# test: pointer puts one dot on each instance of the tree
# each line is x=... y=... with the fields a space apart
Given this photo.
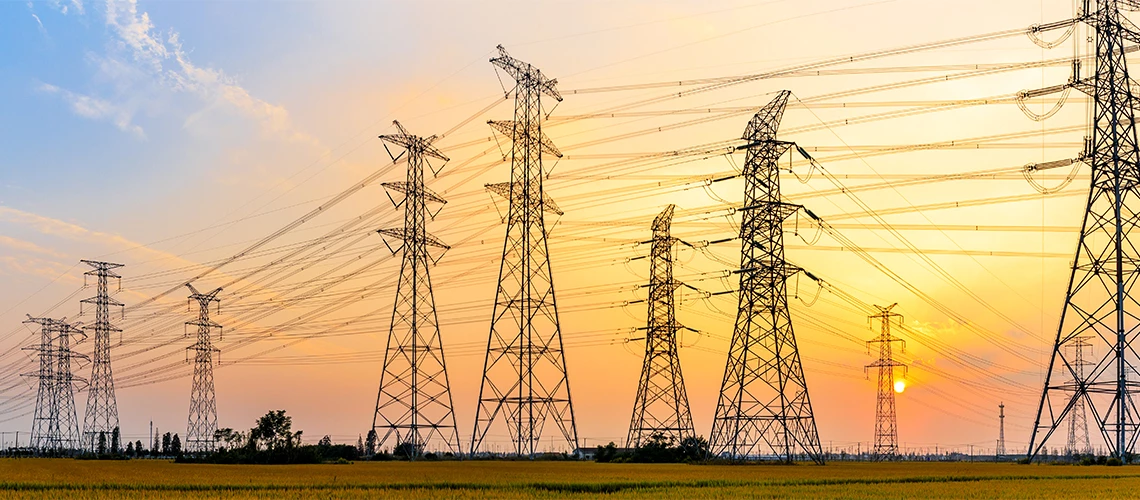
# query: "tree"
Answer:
x=359 y=445
x=694 y=449
x=138 y=448
x=275 y=430
x=232 y=439
x=606 y=453
x=115 y=440
x=155 y=449
x=130 y=449
x=166 y=444
x=325 y=441
x=176 y=446
x=102 y=449
x=370 y=443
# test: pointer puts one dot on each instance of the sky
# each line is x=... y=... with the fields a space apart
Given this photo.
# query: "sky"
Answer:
x=169 y=135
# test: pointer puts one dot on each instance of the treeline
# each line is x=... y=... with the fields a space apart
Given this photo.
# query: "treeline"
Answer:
x=657 y=449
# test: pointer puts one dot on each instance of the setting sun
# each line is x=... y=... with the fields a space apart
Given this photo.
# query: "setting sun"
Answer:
x=900 y=385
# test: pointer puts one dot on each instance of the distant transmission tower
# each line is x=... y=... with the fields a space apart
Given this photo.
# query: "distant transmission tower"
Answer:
x=524 y=372
x=1001 y=431
x=55 y=426
x=661 y=406
x=102 y=415
x=764 y=408
x=1078 y=423
x=886 y=426
x=414 y=404
x=1099 y=302
x=203 y=418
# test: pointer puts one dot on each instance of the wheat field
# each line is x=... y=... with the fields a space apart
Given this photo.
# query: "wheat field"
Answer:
x=63 y=478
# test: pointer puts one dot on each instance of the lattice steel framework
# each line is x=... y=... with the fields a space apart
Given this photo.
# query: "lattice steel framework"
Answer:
x=1099 y=303
x=524 y=372
x=661 y=406
x=886 y=426
x=1001 y=431
x=203 y=417
x=55 y=426
x=764 y=410
x=413 y=407
x=1078 y=441
x=102 y=415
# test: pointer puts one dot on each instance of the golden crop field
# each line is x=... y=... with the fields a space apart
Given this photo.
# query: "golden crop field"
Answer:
x=64 y=478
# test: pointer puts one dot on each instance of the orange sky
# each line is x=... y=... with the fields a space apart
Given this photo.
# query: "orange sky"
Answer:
x=282 y=137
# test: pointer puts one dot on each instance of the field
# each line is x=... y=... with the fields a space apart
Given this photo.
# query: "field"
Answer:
x=62 y=478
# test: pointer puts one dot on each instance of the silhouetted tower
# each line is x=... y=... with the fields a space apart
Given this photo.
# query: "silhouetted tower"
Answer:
x=102 y=415
x=55 y=426
x=1001 y=430
x=413 y=406
x=1078 y=423
x=1099 y=303
x=203 y=418
x=524 y=372
x=661 y=406
x=764 y=408
x=886 y=426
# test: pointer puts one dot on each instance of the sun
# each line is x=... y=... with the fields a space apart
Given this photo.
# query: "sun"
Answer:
x=900 y=385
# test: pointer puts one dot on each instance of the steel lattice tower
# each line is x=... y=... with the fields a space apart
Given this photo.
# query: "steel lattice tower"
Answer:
x=1001 y=431
x=414 y=403
x=102 y=415
x=661 y=406
x=203 y=418
x=886 y=426
x=764 y=408
x=1099 y=303
x=524 y=372
x=1078 y=417
x=55 y=426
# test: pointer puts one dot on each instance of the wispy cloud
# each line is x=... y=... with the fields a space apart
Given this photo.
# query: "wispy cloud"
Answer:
x=96 y=109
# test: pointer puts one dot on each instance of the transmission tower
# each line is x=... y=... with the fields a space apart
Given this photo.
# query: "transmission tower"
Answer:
x=413 y=406
x=661 y=406
x=1099 y=303
x=55 y=426
x=886 y=426
x=524 y=372
x=764 y=408
x=1078 y=423
x=203 y=417
x=1001 y=431
x=102 y=415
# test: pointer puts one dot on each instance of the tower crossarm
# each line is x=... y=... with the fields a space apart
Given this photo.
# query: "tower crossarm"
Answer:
x=517 y=132
x=523 y=72
x=404 y=187
x=504 y=189
x=410 y=236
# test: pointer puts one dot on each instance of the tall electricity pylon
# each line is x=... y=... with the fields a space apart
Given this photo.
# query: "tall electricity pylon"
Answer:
x=661 y=406
x=203 y=418
x=764 y=409
x=1001 y=432
x=524 y=372
x=55 y=426
x=886 y=426
x=102 y=415
x=1099 y=302
x=1078 y=422
x=413 y=406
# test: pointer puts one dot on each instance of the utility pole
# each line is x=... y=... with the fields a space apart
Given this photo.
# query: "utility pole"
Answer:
x=1099 y=304
x=886 y=426
x=102 y=415
x=203 y=418
x=1078 y=424
x=55 y=426
x=661 y=406
x=1001 y=431
x=524 y=372
x=764 y=406
x=414 y=404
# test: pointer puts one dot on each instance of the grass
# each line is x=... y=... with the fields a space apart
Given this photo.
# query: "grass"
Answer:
x=62 y=478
